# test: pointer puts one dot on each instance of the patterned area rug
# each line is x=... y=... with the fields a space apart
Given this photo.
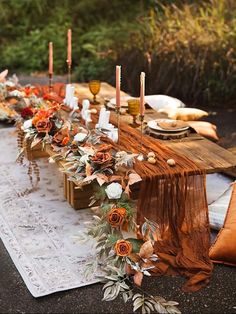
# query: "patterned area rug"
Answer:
x=39 y=230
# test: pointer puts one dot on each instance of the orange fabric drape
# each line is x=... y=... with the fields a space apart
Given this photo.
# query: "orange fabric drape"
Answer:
x=175 y=198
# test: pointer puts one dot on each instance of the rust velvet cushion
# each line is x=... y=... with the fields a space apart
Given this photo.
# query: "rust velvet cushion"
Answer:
x=224 y=249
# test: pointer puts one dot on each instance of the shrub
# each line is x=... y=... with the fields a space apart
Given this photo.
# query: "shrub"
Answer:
x=187 y=51
x=186 y=48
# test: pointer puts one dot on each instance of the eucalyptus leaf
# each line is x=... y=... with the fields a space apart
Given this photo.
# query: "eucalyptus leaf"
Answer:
x=137 y=304
x=108 y=284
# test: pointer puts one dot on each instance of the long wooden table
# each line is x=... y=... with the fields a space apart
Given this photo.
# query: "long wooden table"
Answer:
x=205 y=153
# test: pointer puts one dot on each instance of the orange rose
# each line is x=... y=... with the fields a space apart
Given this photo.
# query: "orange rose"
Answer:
x=101 y=158
x=123 y=248
x=61 y=137
x=43 y=126
x=42 y=114
x=35 y=120
x=116 y=216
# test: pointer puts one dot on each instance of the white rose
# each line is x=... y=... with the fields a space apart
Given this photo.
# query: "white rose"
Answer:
x=27 y=124
x=79 y=137
x=114 y=191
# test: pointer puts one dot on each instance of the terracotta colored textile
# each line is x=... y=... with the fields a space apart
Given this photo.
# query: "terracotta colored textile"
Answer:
x=224 y=249
x=175 y=198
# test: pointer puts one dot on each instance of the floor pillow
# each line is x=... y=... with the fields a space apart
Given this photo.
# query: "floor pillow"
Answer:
x=223 y=249
x=205 y=129
x=185 y=114
x=218 y=190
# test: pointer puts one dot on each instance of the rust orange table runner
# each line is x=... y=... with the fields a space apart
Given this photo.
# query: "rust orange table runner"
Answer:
x=175 y=198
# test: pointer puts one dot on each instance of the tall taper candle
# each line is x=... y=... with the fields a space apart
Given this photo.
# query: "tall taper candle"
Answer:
x=50 y=60
x=69 y=49
x=142 y=93
x=118 y=67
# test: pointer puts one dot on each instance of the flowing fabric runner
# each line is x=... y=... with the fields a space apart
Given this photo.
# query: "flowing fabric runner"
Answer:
x=39 y=230
x=175 y=198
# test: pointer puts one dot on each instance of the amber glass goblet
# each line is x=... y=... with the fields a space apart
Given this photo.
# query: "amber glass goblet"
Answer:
x=94 y=87
x=133 y=110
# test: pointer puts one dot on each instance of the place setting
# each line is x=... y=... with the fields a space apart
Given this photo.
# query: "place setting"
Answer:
x=167 y=129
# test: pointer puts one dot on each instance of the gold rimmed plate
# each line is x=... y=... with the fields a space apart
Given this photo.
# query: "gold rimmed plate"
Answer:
x=168 y=125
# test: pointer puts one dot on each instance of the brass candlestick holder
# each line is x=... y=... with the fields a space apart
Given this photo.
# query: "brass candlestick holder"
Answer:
x=118 y=124
x=69 y=72
x=140 y=156
x=50 y=86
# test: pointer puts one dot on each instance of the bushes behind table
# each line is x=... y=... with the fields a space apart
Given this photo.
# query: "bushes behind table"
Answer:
x=187 y=51
x=186 y=48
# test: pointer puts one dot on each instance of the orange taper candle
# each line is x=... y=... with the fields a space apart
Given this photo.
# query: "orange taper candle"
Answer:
x=50 y=59
x=69 y=49
x=142 y=93
x=118 y=67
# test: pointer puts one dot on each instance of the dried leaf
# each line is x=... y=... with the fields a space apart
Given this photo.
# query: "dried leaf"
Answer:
x=138 y=303
x=35 y=142
x=146 y=250
x=137 y=295
x=88 y=169
x=89 y=178
x=115 y=178
x=101 y=178
x=134 y=257
x=134 y=178
x=138 y=277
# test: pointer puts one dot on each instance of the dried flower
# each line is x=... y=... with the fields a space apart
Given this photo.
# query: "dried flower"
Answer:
x=27 y=90
x=80 y=137
x=116 y=216
x=123 y=248
x=61 y=138
x=43 y=126
x=114 y=191
x=42 y=114
x=27 y=113
x=101 y=158
x=27 y=124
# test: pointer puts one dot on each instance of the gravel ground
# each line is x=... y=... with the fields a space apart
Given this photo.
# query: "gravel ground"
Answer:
x=218 y=297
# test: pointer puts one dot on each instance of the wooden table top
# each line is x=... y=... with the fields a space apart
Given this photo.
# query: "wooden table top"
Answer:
x=205 y=153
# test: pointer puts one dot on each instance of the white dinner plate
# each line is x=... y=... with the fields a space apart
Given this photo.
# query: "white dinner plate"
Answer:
x=153 y=124
x=123 y=101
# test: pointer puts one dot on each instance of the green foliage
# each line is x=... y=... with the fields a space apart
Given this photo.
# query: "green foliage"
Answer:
x=187 y=48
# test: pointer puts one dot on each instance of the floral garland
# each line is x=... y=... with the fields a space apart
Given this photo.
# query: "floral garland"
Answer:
x=124 y=251
x=38 y=126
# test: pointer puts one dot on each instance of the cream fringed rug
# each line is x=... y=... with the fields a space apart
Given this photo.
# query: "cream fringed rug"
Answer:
x=39 y=230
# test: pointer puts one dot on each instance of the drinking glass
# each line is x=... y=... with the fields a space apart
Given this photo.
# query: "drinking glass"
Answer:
x=94 y=87
x=134 y=109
